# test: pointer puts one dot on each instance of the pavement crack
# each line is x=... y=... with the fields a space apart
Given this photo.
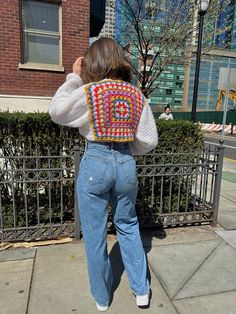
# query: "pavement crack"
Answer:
x=197 y=269
x=227 y=198
x=31 y=281
x=204 y=295
x=156 y=275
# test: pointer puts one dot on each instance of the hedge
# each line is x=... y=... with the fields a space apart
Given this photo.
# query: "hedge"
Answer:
x=33 y=133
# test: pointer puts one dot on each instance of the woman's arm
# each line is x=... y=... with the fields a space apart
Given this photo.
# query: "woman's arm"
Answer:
x=68 y=105
x=146 y=138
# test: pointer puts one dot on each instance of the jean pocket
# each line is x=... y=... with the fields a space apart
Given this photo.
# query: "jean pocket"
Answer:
x=129 y=170
x=93 y=170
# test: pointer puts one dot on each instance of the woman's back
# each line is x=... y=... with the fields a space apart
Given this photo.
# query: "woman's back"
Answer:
x=114 y=108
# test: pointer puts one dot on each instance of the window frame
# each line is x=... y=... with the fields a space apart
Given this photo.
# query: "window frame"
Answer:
x=35 y=65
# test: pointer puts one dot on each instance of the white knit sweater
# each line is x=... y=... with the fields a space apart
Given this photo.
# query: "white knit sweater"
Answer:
x=69 y=107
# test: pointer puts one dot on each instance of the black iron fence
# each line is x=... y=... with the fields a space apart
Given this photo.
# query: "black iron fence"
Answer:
x=180 y=188
x=37 y=198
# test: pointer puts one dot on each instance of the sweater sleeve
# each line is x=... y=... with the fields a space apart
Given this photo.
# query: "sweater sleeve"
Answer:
x=68 y=106
x=146 y=137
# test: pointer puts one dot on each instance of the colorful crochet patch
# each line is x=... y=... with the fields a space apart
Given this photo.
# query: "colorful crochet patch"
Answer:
x=114 y=109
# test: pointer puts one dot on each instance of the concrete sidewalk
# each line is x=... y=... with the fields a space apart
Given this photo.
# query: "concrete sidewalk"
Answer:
x=193 y=270
x=227 y=208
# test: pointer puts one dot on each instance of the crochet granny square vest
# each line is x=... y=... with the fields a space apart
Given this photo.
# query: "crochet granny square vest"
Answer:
x=114 y=108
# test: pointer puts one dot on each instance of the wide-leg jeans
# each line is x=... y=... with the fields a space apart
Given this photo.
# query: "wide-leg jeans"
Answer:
x=108 y=173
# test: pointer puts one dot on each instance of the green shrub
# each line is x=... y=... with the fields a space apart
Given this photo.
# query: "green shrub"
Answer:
x=34 y=133
x=179 y=135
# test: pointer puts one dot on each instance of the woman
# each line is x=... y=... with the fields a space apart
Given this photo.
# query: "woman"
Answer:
x=116 y=121
x=166 y=115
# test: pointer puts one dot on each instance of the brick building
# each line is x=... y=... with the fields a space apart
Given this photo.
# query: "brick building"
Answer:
x=39 y=42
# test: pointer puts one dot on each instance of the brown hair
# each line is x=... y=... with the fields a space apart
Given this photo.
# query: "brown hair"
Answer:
x=106 y=59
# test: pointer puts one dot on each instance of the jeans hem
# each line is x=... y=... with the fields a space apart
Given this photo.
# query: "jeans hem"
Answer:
x=139 y=294
x=101 y=304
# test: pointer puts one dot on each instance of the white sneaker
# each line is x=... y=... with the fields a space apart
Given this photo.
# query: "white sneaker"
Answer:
x=142 y=300
x=102 y=308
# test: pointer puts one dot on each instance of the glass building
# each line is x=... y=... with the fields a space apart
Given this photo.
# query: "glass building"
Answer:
x=208 y=81
x=170 y=82
x=176 y=84
x=233 y=43
x=210 y=65
x=225 y=20
x=170 y=91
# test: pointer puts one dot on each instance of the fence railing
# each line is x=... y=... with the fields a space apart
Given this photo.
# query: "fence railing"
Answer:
x=180 y=188
x=37 y=199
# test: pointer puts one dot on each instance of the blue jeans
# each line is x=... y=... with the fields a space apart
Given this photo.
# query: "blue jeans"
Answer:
x=108 y=173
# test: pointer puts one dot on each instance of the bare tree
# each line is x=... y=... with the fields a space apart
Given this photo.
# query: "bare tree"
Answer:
x=158 y=33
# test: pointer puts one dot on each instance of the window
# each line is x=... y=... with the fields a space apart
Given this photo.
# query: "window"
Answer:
x=179 y=84
x=168 y=91
x=41 y=32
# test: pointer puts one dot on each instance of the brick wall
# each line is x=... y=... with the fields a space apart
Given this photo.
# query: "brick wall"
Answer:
x=75 y=38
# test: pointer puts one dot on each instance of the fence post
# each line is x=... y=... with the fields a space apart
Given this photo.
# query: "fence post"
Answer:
x=76 y=210
x=216 y=197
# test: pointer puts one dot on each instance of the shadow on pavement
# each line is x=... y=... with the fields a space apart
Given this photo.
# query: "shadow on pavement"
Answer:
x=117 y=265
x=116 y=259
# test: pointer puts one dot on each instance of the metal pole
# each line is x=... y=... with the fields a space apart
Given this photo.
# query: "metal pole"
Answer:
x=197 y=69
x=226 y=100
x=218 y=176
x=76 y=210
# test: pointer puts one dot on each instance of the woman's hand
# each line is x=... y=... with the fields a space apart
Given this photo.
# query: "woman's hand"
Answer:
x=77 y=66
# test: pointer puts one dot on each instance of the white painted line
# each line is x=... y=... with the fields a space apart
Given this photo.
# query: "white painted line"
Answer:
x=232 y=147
